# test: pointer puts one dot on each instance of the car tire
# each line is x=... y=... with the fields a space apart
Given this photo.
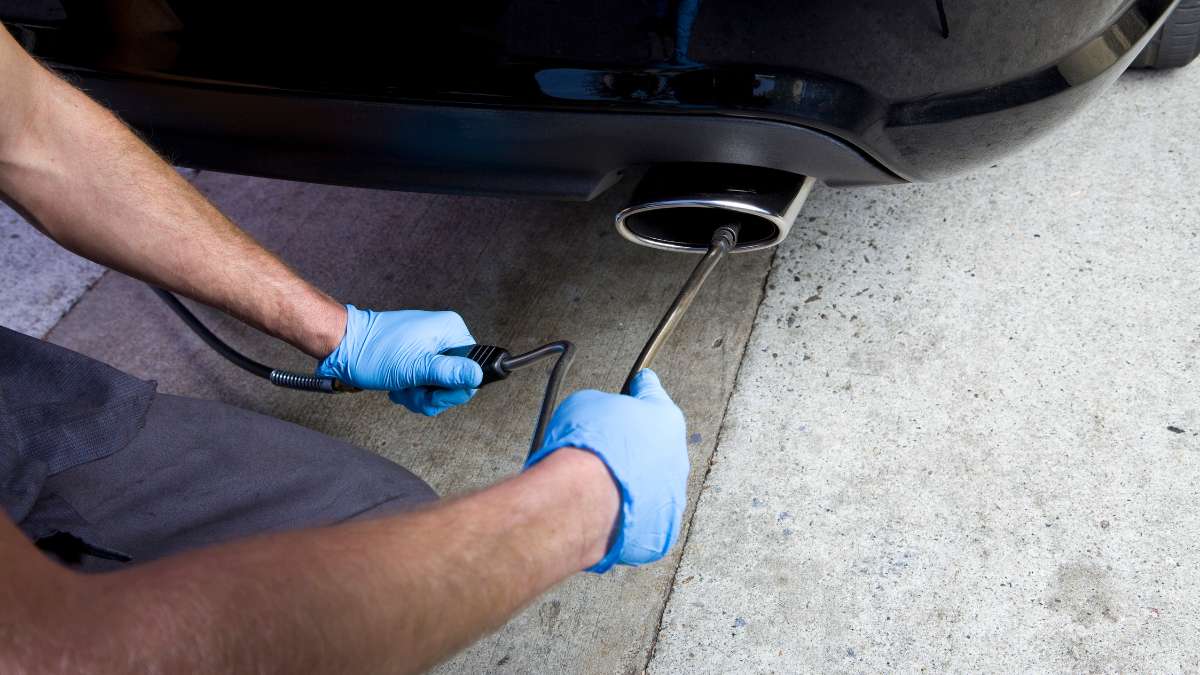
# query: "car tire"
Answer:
x=1177 y=42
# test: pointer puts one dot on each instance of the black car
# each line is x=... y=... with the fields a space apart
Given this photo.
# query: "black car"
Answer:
x=729 y=103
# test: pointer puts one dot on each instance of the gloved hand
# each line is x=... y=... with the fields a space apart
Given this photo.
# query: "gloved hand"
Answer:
x=398 y=352
x=642 y=440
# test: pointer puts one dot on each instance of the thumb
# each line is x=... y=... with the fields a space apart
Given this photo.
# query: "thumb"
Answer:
x=452 y=372
x=646 y=387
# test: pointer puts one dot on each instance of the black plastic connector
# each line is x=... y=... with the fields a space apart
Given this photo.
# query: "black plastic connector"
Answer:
x=489 y=357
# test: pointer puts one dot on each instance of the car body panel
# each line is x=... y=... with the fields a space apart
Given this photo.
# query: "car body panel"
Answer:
x=441 y=97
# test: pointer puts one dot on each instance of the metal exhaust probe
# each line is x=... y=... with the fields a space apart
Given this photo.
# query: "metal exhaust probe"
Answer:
x=724 y=240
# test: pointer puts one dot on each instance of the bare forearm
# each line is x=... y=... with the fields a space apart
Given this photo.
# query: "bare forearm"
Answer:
x=390 y=595
x=90 y=184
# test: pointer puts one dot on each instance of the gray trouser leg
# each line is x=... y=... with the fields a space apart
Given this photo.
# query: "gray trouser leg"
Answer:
x=202 y=472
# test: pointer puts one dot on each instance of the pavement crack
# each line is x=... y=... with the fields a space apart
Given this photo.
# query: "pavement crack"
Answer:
x=46 y=335
x=687 y=530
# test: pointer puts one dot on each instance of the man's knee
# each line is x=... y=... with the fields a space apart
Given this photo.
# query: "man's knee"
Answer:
x=202 y=472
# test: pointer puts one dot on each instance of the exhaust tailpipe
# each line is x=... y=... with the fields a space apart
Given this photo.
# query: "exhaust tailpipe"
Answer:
x=676 y=207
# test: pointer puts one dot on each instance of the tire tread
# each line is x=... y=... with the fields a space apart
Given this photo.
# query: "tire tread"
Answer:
x=1178 y=42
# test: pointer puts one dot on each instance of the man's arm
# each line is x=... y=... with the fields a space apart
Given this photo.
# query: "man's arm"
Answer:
x=396 y=594
x=83 y=178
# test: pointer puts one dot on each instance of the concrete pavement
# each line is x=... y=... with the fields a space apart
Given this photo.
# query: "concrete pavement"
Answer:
x=966 y=435
x=40 y=280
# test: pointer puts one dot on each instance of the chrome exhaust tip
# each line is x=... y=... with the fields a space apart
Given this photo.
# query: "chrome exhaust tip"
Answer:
x=676 y=207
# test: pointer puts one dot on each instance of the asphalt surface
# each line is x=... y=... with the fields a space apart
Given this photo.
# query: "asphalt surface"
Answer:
x=959 y=432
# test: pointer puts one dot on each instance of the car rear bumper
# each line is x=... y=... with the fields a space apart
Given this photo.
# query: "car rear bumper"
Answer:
x=439 y=148
x=871 y=95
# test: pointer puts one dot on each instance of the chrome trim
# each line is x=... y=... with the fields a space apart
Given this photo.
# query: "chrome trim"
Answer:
x=783 y=222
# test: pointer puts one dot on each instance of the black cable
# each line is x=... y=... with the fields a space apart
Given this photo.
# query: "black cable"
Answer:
x=280 y=378
x=566 y=354
x=233 y=356
x=300 y=381
x=291 y=380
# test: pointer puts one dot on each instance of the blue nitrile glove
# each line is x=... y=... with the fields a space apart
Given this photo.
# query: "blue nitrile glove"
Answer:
x=399 y=352
x=642 y=439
